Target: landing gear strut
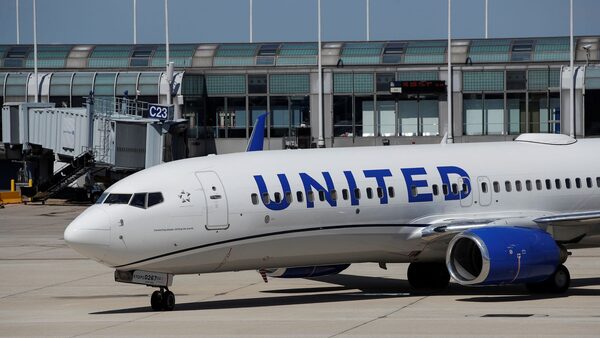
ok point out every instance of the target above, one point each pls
(428, 276)
(558, 282)
(163, 300)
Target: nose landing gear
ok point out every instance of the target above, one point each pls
(163, 300)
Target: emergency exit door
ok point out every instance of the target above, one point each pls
(217, 213)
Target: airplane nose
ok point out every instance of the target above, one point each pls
(89, 233)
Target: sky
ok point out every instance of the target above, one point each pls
(111, 21)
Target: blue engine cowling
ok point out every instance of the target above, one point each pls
(306, 271)
(502, 255)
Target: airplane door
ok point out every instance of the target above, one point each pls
(485, 191)
(465, 190)
(217, 213)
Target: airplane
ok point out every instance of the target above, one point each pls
(480, 213)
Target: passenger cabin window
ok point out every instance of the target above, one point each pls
(588, 181)
(357, 193)
(299, 196)
(321, 195)
(578, 183)
(484, 187)
(369, 193)
(155, 198)
(333, 194)
(310, 196)
(391, 192)
(518, 185)
(538, 184)
(445, 189)
(435, 190)
(345, 194)
(548, 184)
(379, 192)
(254, 198)
(413, 191)
(265, 198)
(138, 200)
(465, 188)
(454, 189)
(277, 196)
(117, 199)
(568, 183)
(557, 183)
(507, 186)
(288, 197)
(496, 187)
(598, 182)
(528, 185)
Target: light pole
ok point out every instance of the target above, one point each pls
(368, 21)
(486, 18)
(17, 17)
(35, 54)
(450, 136)
(169, 67)
(572, 75)
(321, 140)
(135, 22)
(250, 21)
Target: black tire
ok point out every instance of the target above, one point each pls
(168, 301)
(156, 300)
(558, 282)
(428, 276)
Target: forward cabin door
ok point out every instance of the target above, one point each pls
(217, 213)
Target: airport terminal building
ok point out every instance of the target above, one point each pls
(501, 88)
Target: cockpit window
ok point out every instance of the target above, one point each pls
(138, 200)
(117, 199)
(102, 197)
(154, 198)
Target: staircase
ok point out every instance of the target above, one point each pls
(62, 178)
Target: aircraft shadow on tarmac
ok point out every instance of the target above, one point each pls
(353, 288)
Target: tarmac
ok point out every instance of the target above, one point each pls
(47, 289)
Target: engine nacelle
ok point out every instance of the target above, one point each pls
(502, 255)
(306, 271)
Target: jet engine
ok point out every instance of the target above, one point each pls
(502, 255)
(306, 271)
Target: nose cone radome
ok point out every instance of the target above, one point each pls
(89, 233)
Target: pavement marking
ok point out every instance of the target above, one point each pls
(380, 317)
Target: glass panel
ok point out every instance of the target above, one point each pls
(289, 84)
(148, 84)
(342, 116)
(126, 83)
(364, 116)
(257, 84)
(105, 84)
(16, 85)
(473, 114)
(516, 80)
(217, 116)
(429, 117)
(280, 116)
(154, 198)
(418, 76)
(60, 84)
(225, 84)
(258, 105)
(300, 112)
(117, 199)
(386, 110)
(554, 114)
(483, 81)
(494, 113)
(408, 111)
(82, 84)
(363, 83)
(383, 81)
(236, 109)
(516, 103)
(342, 82)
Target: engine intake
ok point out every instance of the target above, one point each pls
(502, 255)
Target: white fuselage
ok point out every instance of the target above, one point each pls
(210, 221)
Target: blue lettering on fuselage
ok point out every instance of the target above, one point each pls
(416, 180)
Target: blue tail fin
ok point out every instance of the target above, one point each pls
(258, 134)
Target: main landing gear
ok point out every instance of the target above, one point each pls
(558, 282)
(163, 300)
(428, 276)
